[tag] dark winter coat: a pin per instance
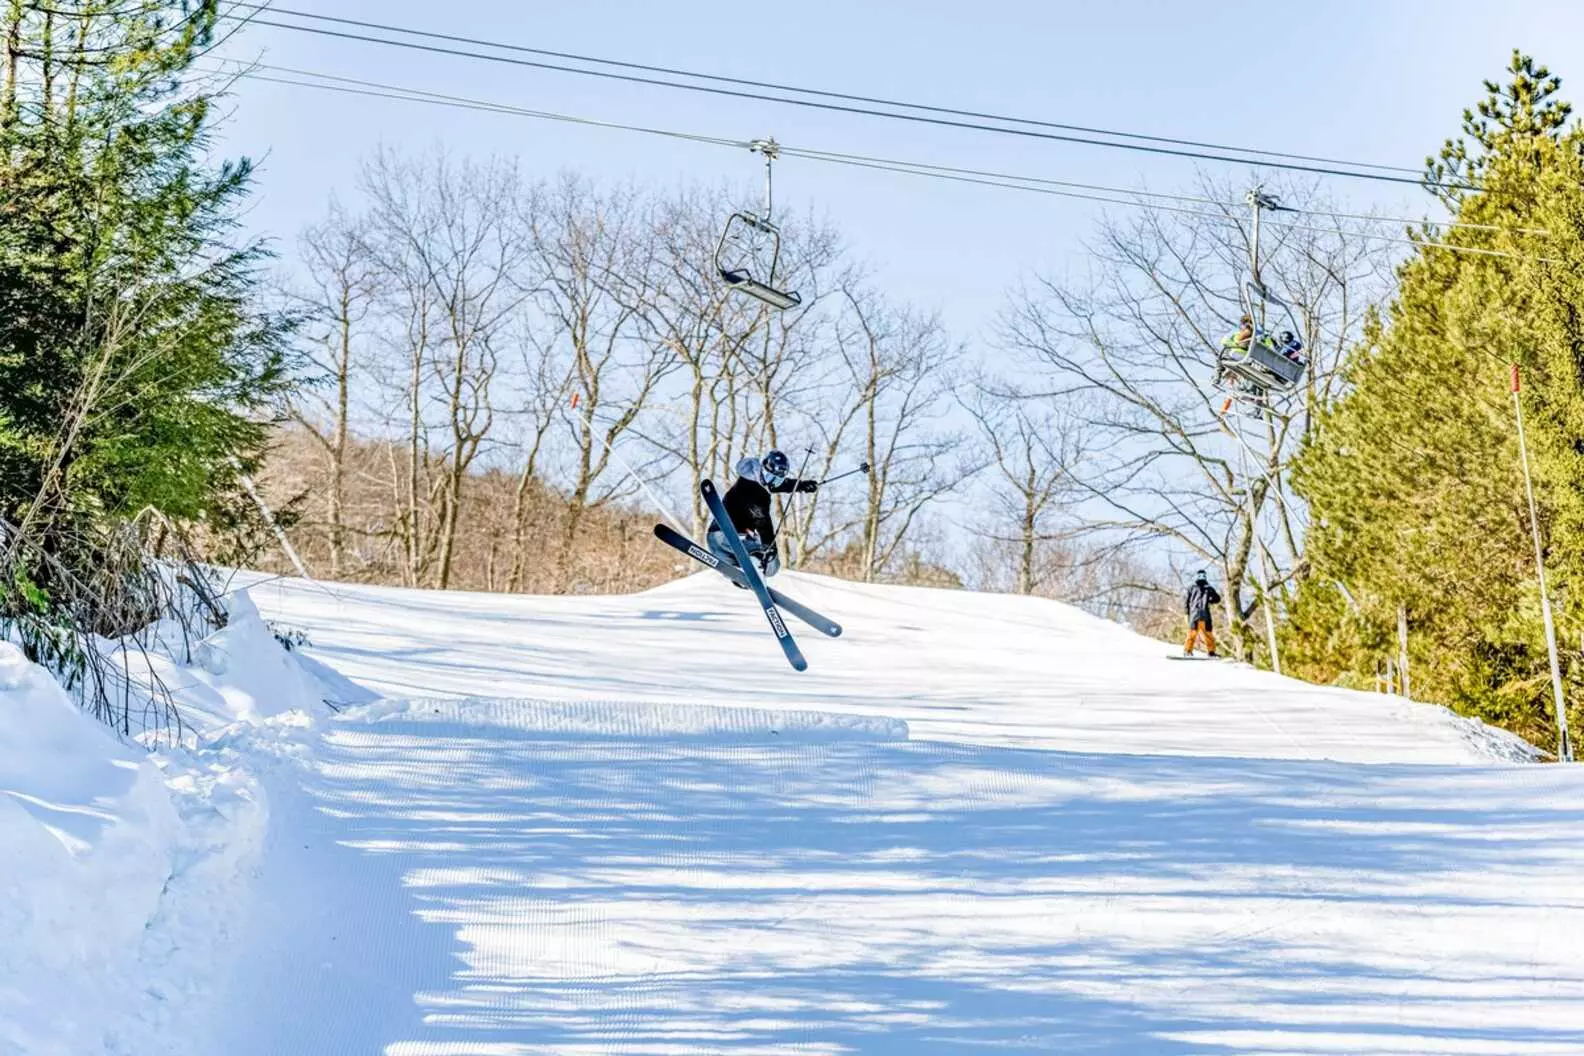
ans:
(748, 502)
(1198, 601)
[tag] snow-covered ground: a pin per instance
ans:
(957, 666)
(977, 823)
(125, 876)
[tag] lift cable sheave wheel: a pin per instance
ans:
(749, 248)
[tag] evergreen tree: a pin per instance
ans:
(1413, 477)
(1504, 124)
(136, 366)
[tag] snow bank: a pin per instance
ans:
(541, 719)
(241, 673)
(125, 873)
(90, 835)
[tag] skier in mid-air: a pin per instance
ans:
(1200, 597)
(750, 509)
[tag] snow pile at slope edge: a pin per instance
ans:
(126, 873)
(89, 832)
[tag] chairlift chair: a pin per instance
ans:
(739, 254)
(1262, 367)
(742, 230)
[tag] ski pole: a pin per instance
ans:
(863, 467)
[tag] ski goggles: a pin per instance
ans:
(771, 479)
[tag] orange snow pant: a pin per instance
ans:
(1200, 632)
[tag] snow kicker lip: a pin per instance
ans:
(628, 720)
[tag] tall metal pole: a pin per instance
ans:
(1564, 744)
(1255, 199)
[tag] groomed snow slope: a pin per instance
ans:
(982, 668)
(628, 829)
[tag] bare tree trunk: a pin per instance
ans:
(1029, 530)
(900, 368)
(339, 443)
(13, 56)
(414, 515)
(876, 478)
(342, 274)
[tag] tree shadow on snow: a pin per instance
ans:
(727, 896)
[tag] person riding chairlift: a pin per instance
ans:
(1241, 339)
(1289, 345)
(1239, 343)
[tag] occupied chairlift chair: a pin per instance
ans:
(740, 254)
(1263, 368)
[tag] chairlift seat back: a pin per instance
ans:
(1288, 372)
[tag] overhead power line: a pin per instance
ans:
(919, 114)
(1006, 181)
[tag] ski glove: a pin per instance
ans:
(808, 485)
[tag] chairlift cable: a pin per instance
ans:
(821, 155)
(1037, 185)
(1031, 184)
(821, 93)
(373, 89)
(847, 108)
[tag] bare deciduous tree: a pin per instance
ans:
(340, 272)
(896, 370)
(447, 238)
(594, 262)
(1136, 343)
(1033, 449)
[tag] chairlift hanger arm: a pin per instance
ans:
(771, 151)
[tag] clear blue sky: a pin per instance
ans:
(1373, 81)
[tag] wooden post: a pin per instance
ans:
(1402, 648)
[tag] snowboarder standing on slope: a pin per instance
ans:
(748, 505)
(1201, 596)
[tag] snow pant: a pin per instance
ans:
(769, 564)
(1200, 631)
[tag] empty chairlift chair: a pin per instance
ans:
(750, 247)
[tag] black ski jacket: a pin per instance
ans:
(748, 503)
(1198, 601)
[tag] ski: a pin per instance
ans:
(675, 539)
(746, 566)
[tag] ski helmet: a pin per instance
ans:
(773, 468)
